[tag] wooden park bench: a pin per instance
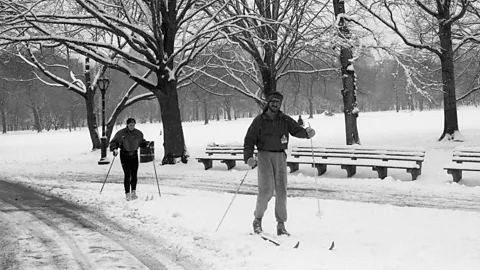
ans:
(350, 157)
(228, 154)
(463, 159)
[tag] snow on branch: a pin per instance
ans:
(413, 77)
(74, 85)
(384, 7)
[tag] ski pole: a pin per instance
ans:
(107, 174)
(155, 169)
(232, 200)
(319, 213)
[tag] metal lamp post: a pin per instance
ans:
(102, 84)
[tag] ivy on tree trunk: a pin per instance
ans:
(350, 109)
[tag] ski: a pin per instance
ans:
(272, 240)
(277, 243)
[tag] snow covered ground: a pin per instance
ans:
(375, 223)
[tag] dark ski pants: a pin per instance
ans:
(130, 169)
(272, 178)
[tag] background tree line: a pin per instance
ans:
(28, 104)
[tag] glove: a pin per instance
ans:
(115, 152)
(251, 162)
(310, 132)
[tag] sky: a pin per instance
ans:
(395, 223)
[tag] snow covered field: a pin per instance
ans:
(375, 223)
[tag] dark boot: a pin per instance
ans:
(281, 229)
(257, 225)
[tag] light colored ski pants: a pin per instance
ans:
(272, 177)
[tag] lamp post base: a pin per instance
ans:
(104, 159)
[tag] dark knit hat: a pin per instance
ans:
(275, 95)
(131, 120)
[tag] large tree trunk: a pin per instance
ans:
(173, 139)
(450, 124)
(349, 90)
(92, 120)
(90, 105)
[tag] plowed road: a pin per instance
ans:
(42, 231)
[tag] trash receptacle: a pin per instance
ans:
(147, 153)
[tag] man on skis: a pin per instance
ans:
(269, 132)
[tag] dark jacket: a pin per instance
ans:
(128, 141)
(266, 133)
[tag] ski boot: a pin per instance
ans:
(128, 197)
(134, 195)
(257, 225)
(281, 229)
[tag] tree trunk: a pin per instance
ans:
(229, 113)
(72, 118)
(411, 102)
(450, 124)
(205, 111)
(4, 121)
(196, 112)
(92, 120)
(90, 105)
(37, 118)
(173, 138)
(310, 106)
(349, 90)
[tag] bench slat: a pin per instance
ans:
(221, 157)
(356, 152)
(361, 156)
(466, 154)
(467, 149)
(463, 166)
(386, 148)
(363, 163)
(466, 159)
(225, 148)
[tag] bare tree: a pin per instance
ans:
(265, 37)
(87, 91)
(161, 37)
(432, 26)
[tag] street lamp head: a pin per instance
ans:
(103, 83)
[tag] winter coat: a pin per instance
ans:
(128, 141)
(269, 134)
